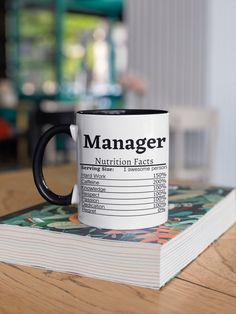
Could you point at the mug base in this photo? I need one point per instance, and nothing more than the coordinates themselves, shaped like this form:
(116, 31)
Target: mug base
(125, 225)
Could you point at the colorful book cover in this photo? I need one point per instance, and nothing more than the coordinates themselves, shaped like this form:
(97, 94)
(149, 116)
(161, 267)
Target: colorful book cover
(186, 206)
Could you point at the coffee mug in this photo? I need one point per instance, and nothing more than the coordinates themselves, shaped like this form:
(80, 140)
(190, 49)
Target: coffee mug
(122, 165)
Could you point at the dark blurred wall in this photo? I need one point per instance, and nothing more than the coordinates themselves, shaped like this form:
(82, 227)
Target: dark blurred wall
(2, 39)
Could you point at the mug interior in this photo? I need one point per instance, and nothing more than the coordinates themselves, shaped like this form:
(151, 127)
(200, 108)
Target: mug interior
(122, 112)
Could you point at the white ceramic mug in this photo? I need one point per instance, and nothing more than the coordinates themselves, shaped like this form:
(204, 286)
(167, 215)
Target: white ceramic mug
(122, 163)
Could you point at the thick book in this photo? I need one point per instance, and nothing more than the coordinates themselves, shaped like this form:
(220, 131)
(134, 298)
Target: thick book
(51, 237)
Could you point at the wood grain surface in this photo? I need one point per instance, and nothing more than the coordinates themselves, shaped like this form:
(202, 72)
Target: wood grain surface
(216, 267)
(207, 285)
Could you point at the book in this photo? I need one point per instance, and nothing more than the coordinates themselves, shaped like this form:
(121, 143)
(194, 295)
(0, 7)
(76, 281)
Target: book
(51, 236)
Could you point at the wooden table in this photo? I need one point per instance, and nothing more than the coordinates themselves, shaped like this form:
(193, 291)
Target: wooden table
(208, 285)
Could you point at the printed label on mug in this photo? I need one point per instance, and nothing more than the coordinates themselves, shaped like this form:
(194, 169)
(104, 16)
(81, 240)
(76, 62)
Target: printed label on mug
(123, 170)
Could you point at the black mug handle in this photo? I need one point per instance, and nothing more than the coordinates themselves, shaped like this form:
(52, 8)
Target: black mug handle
(38, 166)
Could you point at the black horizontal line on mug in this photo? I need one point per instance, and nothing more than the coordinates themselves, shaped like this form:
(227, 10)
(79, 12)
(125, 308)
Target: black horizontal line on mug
(131, 192)
(127, 215)
(120, 210)
(122, 186)
(97, 179)
(111, 198)
(86, 202)
(125, 166)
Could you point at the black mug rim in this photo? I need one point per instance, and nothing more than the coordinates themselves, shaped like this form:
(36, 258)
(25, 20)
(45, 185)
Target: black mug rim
(122, 112)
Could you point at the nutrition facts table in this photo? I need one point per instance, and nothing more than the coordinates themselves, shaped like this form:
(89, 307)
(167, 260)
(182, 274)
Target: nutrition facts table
(124, 191)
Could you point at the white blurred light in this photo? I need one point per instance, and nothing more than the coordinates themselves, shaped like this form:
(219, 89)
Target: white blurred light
(99, 34)
(49, 87)
(74, 51)
(28, 88)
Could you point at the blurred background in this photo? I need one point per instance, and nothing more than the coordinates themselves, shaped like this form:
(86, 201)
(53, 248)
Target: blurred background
(57, 57)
